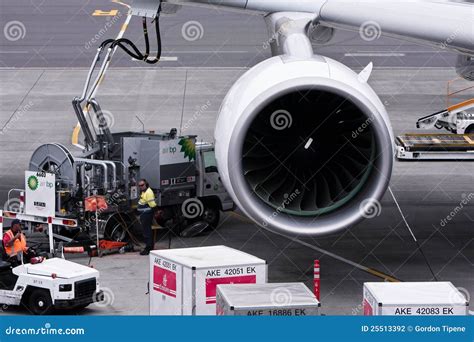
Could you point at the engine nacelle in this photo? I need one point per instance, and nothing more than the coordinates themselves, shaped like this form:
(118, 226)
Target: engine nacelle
(465, 67)
(304, 146)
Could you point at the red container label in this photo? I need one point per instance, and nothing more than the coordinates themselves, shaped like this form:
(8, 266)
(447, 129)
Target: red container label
(164, 281)
(211, 285)
(367, 308)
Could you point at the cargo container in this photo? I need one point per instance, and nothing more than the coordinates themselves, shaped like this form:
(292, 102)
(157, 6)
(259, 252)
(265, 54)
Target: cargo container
(279, 299)
(414, 299)
(183, 281)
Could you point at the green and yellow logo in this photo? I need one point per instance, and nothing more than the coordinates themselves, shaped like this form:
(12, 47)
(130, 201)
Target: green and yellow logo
(33, 183)
(188, 148)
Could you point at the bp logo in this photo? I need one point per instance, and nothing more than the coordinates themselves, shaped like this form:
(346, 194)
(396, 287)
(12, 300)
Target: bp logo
(33, 183)
(188, 147)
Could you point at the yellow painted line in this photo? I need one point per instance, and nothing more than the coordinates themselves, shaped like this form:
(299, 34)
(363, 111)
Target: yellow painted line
(100, 13)
(121, 3)
(369, 270)
(469, 140)
(382, 275)
(124, 27)
(75, 135)
(427, 135)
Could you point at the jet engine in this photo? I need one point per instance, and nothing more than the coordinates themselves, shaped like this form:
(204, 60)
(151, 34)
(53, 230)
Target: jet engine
(304, 145)
(465, 67)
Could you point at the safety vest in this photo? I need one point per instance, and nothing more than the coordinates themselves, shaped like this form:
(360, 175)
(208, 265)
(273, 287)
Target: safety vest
(147, 201)
(18, 244)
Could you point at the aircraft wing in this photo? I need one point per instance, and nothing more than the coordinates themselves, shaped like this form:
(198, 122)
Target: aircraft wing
(445, 24)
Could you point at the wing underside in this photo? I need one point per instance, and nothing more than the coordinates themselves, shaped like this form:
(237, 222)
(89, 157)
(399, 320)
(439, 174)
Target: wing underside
(445, 24)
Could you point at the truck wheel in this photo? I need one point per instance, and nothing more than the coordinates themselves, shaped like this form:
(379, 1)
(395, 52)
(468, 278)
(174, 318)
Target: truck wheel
(469, 130)
(39, 302)
(211, 215)
(116, 229)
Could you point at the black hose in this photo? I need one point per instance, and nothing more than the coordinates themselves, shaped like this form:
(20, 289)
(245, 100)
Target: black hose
(147, 41)
(132, 50)
(158, 43)
(120, 42)
(106, 42)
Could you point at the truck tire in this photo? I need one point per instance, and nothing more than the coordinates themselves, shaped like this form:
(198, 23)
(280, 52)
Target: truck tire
(469, 130)
(39, 302)
(117, 228)
(211, 215)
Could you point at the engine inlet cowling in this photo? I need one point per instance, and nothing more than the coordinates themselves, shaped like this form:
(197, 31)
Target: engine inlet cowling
(309, 150)
(304, 154)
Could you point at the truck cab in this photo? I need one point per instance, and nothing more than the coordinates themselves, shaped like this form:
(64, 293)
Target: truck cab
(465, 121)
(210, 189)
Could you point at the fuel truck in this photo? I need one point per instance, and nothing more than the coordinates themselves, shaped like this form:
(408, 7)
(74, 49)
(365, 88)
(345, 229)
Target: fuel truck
(181, 172)
(104, 176)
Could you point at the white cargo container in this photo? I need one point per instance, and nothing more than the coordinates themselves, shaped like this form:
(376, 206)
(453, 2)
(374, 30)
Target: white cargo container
(414, 299)
(183, 281)
(278, 299)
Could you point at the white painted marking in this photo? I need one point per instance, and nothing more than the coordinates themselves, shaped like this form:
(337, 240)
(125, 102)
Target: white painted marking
(209, 51)
(404, 51)
(374, 54)
(14, 52)
(163, 59)
(308, 144)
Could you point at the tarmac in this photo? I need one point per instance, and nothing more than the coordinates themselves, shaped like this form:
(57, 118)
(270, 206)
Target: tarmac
(44, 70)
(35, 108)
(67, 34)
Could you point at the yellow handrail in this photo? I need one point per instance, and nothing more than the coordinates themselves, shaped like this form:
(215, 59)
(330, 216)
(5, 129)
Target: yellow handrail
(450, 93)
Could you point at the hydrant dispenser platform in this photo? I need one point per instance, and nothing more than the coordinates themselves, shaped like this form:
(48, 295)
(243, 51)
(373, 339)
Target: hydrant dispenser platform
(277, 299)
(414, 299)
(183, 281)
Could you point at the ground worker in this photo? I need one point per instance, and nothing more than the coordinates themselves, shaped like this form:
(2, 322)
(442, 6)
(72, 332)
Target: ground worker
(14, 241)
(146, 206)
